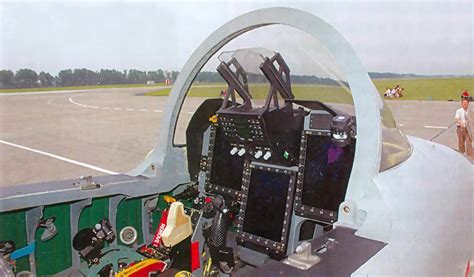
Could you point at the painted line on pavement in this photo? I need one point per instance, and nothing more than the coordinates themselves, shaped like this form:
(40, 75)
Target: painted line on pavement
(435, 127)
(78, 104)
(428, 126)
(108, 108)
(64, 159)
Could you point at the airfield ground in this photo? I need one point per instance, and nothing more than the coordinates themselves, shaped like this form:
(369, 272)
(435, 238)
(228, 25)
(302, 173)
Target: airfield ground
(65, 134)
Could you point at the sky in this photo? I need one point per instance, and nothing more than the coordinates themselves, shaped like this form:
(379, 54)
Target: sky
(422, 37)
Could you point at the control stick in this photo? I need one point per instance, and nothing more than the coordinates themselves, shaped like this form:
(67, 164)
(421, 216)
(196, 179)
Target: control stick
(217, 240)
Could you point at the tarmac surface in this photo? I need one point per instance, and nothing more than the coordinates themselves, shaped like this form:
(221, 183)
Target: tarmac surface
(62, 135)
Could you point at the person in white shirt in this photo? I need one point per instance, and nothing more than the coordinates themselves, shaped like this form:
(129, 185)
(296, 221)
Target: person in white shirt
(462, 128)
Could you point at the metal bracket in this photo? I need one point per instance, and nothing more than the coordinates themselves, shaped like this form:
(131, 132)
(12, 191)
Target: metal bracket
(303, 258)
(295, 227)
(149, 204)
(113, 207)
(235, 84)
(33, 216)
(75, 210)
(88, 183)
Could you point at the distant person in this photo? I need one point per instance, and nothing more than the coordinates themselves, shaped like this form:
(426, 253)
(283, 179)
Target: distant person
(402, 92)
(465, 94)
(463, 129)
(398, 92)
(393, 91)
(387, 92)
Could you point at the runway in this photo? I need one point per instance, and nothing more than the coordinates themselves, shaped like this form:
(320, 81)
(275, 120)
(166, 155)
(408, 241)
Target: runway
(61, 135)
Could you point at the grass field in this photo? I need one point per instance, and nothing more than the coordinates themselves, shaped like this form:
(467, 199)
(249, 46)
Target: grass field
(325, 93)
(415, 89)
(429, 89)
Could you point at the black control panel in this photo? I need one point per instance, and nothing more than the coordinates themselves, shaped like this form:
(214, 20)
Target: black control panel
(320, 120)
(243, 128)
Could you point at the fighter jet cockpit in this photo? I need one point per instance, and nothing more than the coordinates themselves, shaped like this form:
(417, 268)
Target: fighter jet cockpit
(272, 159)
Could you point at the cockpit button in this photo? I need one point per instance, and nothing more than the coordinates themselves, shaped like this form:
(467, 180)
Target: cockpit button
(267, 155)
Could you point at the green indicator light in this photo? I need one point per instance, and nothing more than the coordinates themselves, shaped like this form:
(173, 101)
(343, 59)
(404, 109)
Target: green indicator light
(286, 155)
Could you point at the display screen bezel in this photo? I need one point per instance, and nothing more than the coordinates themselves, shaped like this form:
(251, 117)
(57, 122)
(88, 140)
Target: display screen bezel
(319, 214)
(217, 188)
(274, 246)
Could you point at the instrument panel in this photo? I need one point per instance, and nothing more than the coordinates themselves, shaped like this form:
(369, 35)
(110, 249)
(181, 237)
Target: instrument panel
(288, 157)
(246, 162)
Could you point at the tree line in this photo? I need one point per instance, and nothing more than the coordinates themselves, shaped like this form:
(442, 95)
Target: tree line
(27, 78)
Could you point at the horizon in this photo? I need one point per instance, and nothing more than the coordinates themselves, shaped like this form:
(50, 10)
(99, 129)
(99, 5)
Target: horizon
(169, 71)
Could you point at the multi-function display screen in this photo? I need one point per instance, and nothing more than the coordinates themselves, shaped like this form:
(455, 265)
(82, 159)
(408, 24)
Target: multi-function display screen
(226, 169)
(266, 204)
(320, 121)
(326, 174)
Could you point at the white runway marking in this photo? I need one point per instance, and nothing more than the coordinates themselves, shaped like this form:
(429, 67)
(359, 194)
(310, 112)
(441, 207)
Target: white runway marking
(428, 126)
(115, 109)
(435, 127)
(93, 167)
(78, 104)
